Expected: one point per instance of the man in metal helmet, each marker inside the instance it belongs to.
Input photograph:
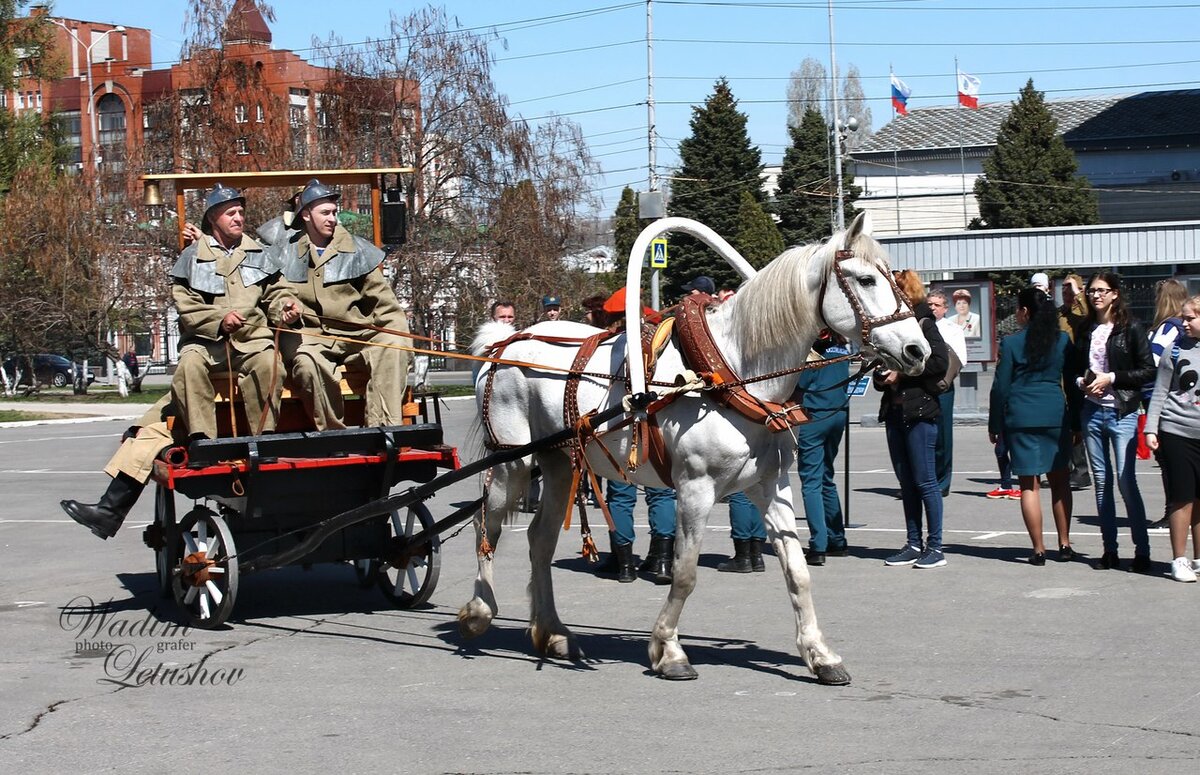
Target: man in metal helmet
(333, 292)
(218, 284)
(218, 281)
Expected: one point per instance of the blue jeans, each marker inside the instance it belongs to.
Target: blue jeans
(816, 451)
(745, 521)
(621, 499)
(910, 445)
(1102, 428)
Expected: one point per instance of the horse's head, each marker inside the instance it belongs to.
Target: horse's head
(862, 303)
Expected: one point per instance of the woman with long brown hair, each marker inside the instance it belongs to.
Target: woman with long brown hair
(1113, 363)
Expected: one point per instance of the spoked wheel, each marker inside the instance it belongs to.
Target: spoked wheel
(366, 571)
(206, 582)
(412, 584)
(162, 541)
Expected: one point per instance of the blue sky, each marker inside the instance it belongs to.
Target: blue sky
(587, 58)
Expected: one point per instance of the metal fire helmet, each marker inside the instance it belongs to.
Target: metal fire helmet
(219, 195)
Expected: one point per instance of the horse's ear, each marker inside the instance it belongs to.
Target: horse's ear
(862, 224)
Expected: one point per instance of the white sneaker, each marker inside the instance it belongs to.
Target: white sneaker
(1181, 570)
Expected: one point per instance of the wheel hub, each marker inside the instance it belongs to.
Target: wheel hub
(196, 567)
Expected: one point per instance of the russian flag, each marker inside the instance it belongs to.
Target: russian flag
(900, 92)
(968, 91)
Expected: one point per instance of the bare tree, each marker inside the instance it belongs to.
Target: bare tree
(442, 114)
(806, 89)
(854, 103)
(75, 268)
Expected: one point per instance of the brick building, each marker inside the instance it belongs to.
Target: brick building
(142, 118)
(237, 106)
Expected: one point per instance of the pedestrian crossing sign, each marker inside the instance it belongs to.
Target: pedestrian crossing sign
(658, 254)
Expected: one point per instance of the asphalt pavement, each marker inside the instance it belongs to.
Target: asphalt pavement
(987, 665)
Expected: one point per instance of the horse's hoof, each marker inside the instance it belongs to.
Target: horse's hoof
(833, 675)
(472, 622)
(678, 671)
(564, 648)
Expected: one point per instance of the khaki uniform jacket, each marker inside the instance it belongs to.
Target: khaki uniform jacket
(209, 284)
(344, 285)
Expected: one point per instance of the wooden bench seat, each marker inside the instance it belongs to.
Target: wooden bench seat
(292, 415)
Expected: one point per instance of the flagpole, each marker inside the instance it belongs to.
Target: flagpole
(895, 156)
(962, 162)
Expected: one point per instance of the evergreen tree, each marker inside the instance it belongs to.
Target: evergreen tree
(804, 199)
(626, 227)
(758, 238)
(717, 164)
(1030, 179)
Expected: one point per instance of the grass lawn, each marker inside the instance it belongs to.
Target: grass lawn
(95, 395)
(16, 415)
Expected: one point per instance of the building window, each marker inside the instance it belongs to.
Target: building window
(111, 120)
(240, 114)
(296, 115)
(243, 146)
(258, 113)
(71, 126)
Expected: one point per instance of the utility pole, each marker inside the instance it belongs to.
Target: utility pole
(651, 138)
(840, 219)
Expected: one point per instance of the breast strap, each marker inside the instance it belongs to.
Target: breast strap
(701, 354)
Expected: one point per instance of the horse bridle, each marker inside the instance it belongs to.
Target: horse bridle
(903, 305)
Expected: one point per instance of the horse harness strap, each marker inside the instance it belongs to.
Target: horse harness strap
(701, 353)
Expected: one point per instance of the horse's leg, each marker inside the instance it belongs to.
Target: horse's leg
(775, 503)
(695, 499)
(508, 482)
(550, 636)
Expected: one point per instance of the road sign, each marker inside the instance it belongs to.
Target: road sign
(858, 387)
(658, 254)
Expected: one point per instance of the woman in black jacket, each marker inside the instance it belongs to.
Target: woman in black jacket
(910, 411)
(1113, 364)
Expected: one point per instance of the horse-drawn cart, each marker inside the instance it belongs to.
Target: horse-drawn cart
(263, 496)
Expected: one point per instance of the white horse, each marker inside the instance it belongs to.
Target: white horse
(768, 326)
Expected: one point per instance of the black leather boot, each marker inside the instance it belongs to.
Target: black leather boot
(626, 570)
(610, 564)
(756, 560)
(740, 562)
(651, 559)
(664, 563)
(105, 517)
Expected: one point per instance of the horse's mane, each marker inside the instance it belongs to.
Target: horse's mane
(777, 304)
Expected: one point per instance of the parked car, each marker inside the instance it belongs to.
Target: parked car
(48, 369)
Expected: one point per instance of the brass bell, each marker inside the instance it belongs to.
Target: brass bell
(151, 194)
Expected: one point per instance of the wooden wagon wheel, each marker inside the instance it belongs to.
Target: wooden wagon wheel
(205, 584)
(164, 539)
(412, 585)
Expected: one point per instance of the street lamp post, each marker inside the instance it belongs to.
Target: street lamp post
(91, 95)
(841, 129)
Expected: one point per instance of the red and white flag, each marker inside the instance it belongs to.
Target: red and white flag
(968, 91)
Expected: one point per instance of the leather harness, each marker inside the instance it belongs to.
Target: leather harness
(701, 354)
